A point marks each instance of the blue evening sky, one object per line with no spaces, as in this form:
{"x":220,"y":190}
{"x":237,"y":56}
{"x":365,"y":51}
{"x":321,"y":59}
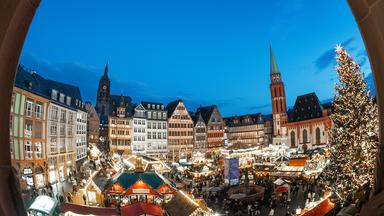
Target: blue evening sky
{"x":203,"y":51}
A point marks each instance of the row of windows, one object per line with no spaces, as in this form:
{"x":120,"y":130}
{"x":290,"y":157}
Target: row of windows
{"x":121,"y":122}
{"x":33,"y":109}
{"x":157,"y":115}
{"x":120,"y":142}
{"x":139,"y":121}
{"x":183,"y":117}
{"x":180,"y":125}
{"x":180,"y":133}
{"x":158,"y":125}
{"x":305,"y":136}
{"x":29,"y":149}
{"x":139,"y":130}
{"x":121,"y":132}
{"x":155,"y":106}
{"x":157,"y":135}
{"x":138,"y":138}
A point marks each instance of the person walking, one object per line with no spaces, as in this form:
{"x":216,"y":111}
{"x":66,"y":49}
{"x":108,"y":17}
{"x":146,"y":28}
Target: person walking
{"x":271,"y":212}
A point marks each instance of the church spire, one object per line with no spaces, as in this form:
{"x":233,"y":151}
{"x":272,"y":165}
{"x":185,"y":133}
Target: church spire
{"x":106,"y":70}
{"x":273,"y":64}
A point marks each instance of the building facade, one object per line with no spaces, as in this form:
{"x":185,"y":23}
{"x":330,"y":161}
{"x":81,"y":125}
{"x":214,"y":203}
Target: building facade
{"x":93,"y":124}
{"x":247,"y":129}
{"x":215,"y":126}
{"x":306,"y":125}
{"x":120,"y":124}
{"x":28,"y":136}
{"x":81,"y":146}
{"x":47,"y":113}
{"x":200,"y":134}
{"x":139,"y":131}
{"x":157,"y":130}
{"x":180,"y":131}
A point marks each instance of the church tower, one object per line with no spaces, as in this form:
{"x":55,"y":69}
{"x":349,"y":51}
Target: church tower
{"x":279,"y":109}
{"x":103,"y":94}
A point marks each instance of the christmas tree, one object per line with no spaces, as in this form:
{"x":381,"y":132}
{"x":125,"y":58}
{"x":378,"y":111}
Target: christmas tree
{"x":355,"y":121}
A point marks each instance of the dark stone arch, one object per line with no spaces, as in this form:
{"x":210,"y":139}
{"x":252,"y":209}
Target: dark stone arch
{"x":16,"y":16}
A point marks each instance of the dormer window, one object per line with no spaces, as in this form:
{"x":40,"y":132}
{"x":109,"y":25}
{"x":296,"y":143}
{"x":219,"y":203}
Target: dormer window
{"x":153,"y":106}
{"x":54,"y":94}
{"x":68,"y":101}
{"x":158,"y":106}
{"x":149,"y":106}
{"x":62,"y":96}
{"x":162,"y":106}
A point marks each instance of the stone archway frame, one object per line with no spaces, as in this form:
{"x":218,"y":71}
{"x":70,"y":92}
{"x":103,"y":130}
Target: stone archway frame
{"x":16,"y":16}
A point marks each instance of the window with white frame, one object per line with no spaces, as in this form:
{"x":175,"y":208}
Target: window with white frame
{"x":68,"y":101}
{"x":149,"y":114}
{"x":54,"y":113}
{"x":38,"y":151}
{"x":29,"y":108}
{"x":54,"y":94}
{"x":38,"y":110}
{"x":53,"y":130}
{"x":28,"y":150}
{"x":28,"y":128}
{"x":62,"y":96}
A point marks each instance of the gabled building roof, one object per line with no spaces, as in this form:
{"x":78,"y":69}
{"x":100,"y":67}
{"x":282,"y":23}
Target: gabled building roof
{"x":243,"y":120}
{"x":172,"y":106}
{"x":306,"y":107}
{"x":150,"y":107}
{"x":116,"y":101}
{"x":206,"y":112}
{"x":196,"y":117}
{"x":32,"y":82}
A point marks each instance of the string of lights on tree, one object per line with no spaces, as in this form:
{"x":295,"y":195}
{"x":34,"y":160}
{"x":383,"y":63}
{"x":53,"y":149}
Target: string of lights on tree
{"x":355,"y":123}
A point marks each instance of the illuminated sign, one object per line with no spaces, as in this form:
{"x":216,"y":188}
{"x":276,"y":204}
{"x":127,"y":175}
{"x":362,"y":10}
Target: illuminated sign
{"x":140,"y":191}
{"x":27,"y":171}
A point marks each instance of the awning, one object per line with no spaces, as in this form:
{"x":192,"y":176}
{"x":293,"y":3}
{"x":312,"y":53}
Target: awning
{"x":281,"y":189}
{"x":141,"y":209}
{"x":44,"y":204}
{"x":87,"y":210}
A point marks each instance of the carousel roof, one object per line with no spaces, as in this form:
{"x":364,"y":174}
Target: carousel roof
{"x":127,"y":179}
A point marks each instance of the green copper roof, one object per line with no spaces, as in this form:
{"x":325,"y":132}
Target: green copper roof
{"x":274,"y":67}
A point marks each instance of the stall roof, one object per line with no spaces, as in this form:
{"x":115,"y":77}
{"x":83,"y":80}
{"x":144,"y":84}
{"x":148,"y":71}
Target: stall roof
{"x":87,"y":210}
{"x":139,"y":209}
{"x":182,"y":204}
{"x":44,"y":204}
{"x":322,"y":209}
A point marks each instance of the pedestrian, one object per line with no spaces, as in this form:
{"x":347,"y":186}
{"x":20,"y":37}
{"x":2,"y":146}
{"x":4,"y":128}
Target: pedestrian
{"x":85,"y":199}
{"x":271,"y":212}
{"x":69,"y":199}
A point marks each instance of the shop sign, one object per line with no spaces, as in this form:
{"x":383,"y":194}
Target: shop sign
{"x":140,"y":191}
{"x":27,"y":171}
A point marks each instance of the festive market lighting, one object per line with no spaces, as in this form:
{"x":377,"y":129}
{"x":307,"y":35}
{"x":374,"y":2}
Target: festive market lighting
{"x":189,"y":198}
{"x":355,"y":119}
